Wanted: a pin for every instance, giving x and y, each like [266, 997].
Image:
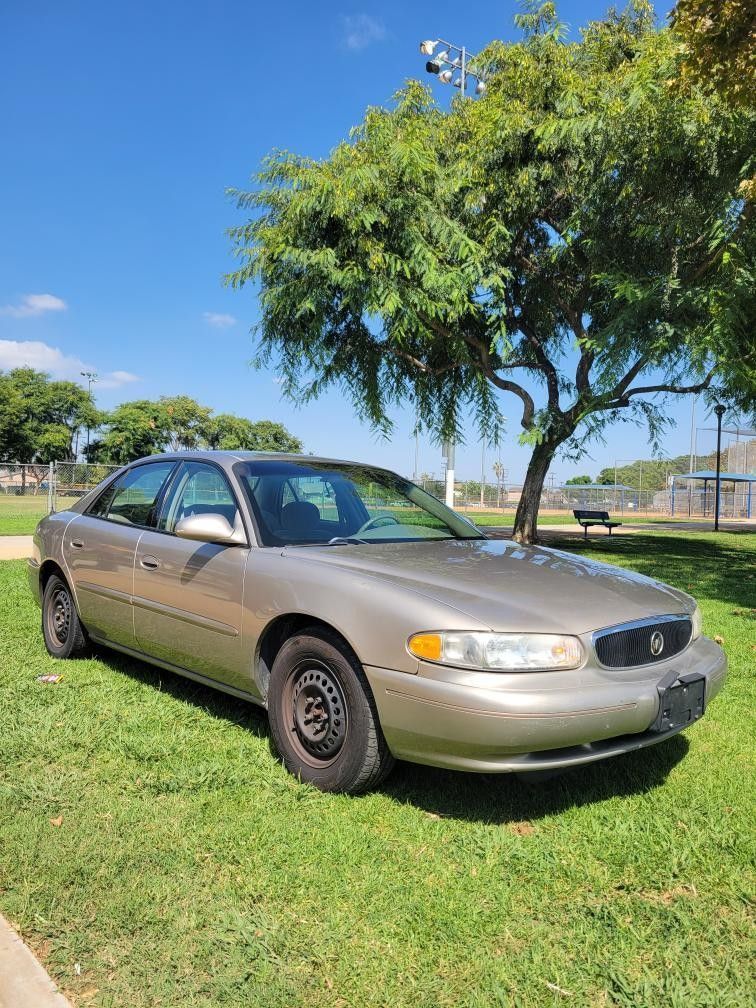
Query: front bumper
[536, 721]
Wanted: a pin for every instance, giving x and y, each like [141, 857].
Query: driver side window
[198, 489]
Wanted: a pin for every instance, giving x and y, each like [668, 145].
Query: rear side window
[131, 499]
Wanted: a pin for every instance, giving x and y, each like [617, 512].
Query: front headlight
[696, 621]
[498, 652]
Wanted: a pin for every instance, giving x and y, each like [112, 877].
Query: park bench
[588, 518]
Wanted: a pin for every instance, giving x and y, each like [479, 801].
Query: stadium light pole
[443, 62]
[91, 377]
[720, 411]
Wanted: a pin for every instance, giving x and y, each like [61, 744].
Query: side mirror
[210, 528]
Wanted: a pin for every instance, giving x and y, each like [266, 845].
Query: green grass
[190, 870]
[19, 515]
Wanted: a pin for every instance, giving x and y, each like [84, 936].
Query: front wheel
[61, 627]
[322, 715]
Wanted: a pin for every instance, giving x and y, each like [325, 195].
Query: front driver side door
[188, 595]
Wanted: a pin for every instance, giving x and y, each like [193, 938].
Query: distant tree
[582, 229]
[651, 474]
[41, 418]
[139, 428]
[226, 431]
[186, 422]
[578, 480]
[719, 46]
[131, 431]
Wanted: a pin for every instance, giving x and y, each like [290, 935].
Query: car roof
[240, 455]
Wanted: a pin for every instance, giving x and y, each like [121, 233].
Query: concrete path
[15, 547]
[23, 981]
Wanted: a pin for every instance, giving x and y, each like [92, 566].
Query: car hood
[508, 586]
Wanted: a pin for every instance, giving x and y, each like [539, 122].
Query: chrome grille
[638, 643]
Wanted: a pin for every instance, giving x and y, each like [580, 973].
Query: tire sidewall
[346, 768]
[72, 643]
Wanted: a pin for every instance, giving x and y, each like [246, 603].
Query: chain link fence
[29, 492]
[503, 498]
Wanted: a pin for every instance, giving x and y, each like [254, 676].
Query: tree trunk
[526, 519]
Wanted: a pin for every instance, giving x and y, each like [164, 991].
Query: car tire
[62, 630]
[323, 718]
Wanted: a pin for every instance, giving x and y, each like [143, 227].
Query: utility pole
[720, 411]
[448, 450]
[482, 469]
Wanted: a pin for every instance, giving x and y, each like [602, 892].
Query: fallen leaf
[718, 639]
[558, 990]
[58, 821]
[522, 828]
[89, 993]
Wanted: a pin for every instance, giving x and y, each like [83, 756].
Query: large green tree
[579, 239]
[226, 431]
[173, 423]
[718, 39]
[40, 419]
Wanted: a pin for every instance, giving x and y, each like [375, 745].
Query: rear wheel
[61, 627]
[322, 715]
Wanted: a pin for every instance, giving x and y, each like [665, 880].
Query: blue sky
[122, 127]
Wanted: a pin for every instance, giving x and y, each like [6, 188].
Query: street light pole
[720, 411]
[91, 377]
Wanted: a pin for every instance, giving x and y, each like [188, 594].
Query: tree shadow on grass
[522, 798]
[720, 569]
[483, 798]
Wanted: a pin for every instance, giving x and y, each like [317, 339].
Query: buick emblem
[657, 644]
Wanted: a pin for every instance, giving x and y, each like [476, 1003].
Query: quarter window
[131, 499]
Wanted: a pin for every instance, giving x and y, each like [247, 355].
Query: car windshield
[325, 503]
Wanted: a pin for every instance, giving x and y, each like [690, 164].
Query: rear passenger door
[188, 595]
[100, 547]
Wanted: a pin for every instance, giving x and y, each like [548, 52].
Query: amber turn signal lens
[425, 645]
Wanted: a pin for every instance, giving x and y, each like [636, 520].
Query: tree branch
[685, 390]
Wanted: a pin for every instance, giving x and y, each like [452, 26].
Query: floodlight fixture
[451, 58]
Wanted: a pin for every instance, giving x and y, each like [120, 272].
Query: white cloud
[34, 304]
[361, 30]
[218, 319]
[41, 357]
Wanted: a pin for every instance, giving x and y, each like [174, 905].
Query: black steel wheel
[61, 627]
[322, 715]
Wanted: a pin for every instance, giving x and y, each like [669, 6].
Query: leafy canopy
[719, 45]
[40, 418]
[173, 423]
[580, 239]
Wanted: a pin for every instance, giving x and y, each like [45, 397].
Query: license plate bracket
[681, 702]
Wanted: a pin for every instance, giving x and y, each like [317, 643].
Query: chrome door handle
[77, 544]
[150, 563]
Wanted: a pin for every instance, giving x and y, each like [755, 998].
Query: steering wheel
[377, 522]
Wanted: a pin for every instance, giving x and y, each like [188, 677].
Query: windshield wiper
[345, 541]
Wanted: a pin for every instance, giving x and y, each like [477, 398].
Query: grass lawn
[147, 835]
[19, 515]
